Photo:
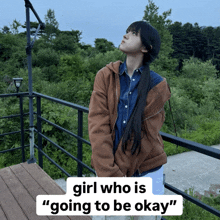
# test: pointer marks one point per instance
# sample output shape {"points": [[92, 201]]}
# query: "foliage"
{"points": [[70, 67], [51, 25], [64, 68], [67, 118], [9, 45], [10, 106], [14, 27], [192, 211], [161, 23], [102, 45], [95, 63], [75, 34], [33, 28], [191, 40], [48, 60], [202, 96], [65, 44], [37, 76], [6, 30], [194, 68], [45, 58], [205, 87]]}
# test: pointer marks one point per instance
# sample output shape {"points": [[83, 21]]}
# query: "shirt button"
{"points": [[124, 122], [133, 79], [126, 106], [130, 93]]}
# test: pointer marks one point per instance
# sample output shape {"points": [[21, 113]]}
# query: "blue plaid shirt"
{"points": [[128, 97]]}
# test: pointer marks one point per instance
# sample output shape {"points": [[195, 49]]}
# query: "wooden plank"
{"points": [[19, 186], [43, 179], [49, 186], [24, 199], [2, 214], [31, 185], [27, 181], [7, 201]]}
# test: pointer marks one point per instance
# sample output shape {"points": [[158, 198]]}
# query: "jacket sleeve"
{"points": [[102, 159]]}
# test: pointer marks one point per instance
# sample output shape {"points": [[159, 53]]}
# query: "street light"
{"points": [[17, 82]]}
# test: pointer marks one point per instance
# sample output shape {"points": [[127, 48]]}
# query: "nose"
{"points": [[125, 36]]}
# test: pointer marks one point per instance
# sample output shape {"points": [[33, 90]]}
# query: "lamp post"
{"points": [[17, 82], [32, 159], [30, 44]]}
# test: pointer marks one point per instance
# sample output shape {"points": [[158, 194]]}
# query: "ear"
{"points": [[144, 50]]}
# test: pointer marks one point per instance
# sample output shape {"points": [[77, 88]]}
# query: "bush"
{"points": [[182, 113], [194, 68], [94, 64], [71, 67]]}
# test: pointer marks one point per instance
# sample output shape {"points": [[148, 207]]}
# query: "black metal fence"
{"points": [[215, 153], [21, 115]]}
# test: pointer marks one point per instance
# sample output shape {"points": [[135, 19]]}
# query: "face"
{"points": [[131, 43]]}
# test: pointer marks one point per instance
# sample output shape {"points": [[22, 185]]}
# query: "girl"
{"points": [[126, 113]]}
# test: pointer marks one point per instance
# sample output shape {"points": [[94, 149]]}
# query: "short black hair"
{"points": [[149, 37]]}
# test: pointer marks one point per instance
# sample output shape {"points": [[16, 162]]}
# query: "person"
{"points": [[126, 113]]}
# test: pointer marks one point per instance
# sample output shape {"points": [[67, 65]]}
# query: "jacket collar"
{"points": [[123, 68]]}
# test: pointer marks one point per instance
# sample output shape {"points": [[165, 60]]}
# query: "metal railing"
{"points": [[21, 115], [80, 109], [215, 153]]}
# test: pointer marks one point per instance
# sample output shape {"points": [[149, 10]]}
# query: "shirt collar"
{"points": [[123, 68]]}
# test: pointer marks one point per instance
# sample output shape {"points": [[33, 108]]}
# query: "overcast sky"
{"points": [[109, 19]]}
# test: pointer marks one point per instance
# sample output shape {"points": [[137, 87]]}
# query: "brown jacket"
{"points": [[101, 122]]}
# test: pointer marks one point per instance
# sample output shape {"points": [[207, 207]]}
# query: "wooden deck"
{"points": [[19, 186]]}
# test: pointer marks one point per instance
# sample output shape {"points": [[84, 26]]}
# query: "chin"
{"points": [[121, 49]]}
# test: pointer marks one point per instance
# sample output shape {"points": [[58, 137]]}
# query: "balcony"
{"points": [[30, 176]]}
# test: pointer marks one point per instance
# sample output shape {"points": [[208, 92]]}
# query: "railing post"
{"points": [[22, 127], [39, 137], [80, 134]]}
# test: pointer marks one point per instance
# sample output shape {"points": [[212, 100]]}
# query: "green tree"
{"points": [[40, 44], [96, 62], [161, 23], [188, 40], [76, 35], [212, 37], [12, 50], [14, 26], [33, 29], [86, 50], [52, 25], [65, 43], [176, 30], [102, 45], [191, 40], [194, 70], [70, 67], [5, 30], [48, 60]]}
